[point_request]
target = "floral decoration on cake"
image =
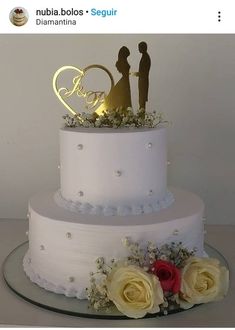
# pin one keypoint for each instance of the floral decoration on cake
(156, 279)
(117, 118)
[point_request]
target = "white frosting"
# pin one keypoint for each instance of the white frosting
(113, 168)
(113, 185)
(72, 242)
(109, 210)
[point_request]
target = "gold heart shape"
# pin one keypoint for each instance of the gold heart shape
(92, 97)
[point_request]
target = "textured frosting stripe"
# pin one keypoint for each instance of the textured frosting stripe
(86, 208)
(45, 284)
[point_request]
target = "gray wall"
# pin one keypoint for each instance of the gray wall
(192, 82)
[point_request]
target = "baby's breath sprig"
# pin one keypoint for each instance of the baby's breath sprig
(148, 254)
(70, 121)
(151, 252)
(116, 118)
(137, 254)
(97, 293)
(174, 252)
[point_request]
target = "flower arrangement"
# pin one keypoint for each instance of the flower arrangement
(156, 279)
(116, 118)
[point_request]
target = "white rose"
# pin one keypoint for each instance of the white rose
(203, 280)
(133, 291)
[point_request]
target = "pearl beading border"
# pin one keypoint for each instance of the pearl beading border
(86, 208)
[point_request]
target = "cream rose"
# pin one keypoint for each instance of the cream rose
(203, 280)
(133, 291)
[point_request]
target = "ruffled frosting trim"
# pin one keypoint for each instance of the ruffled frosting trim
(123, 210)
(70, 291)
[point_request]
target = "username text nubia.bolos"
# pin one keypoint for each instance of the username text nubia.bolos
(59, 12)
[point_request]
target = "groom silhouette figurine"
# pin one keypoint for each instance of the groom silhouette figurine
(143, 74)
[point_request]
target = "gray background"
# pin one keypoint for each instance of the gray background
(192, 81)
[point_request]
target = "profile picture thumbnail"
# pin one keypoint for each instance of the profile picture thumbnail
(19, 16)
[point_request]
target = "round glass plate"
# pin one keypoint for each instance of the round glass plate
(17, 280)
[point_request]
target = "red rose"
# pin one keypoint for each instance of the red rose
(168, 274)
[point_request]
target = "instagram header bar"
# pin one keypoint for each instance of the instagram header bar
(117, 16)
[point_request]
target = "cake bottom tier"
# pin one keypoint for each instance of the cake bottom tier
(63, 246)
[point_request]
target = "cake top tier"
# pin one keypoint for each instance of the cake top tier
(113, 171)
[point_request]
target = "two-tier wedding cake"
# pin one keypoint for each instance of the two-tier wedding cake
(113, 184)
(114, 188)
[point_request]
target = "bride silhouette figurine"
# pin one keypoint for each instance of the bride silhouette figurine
(120, 94)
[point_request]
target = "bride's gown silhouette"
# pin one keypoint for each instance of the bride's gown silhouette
(120, 94)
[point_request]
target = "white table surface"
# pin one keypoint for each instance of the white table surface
(16, 311)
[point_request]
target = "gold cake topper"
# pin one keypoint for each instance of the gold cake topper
(94, 99)
(119, 95)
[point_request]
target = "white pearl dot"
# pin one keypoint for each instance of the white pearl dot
(80, 146)
(149, 145)
(28, 215)
(168, 162)
(71, 279)
(175, 232)
(118, 173)
(58, 166)
(27, 233)
(69, 235)
(81, 193)
(42, 247)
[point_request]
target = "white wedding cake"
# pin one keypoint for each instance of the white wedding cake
(113, 185)
(115, 233)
